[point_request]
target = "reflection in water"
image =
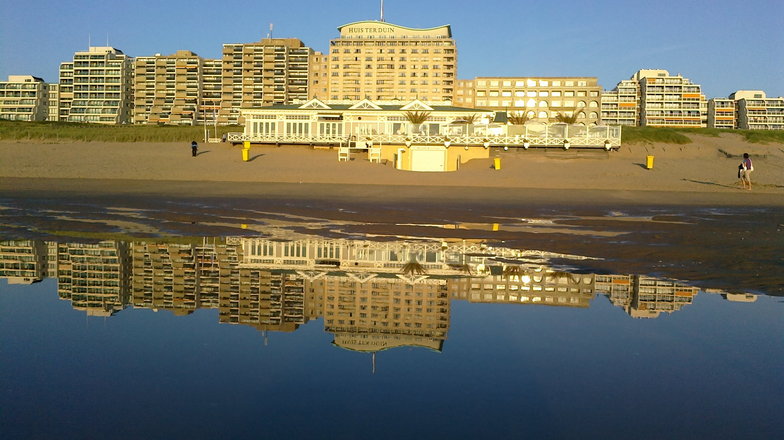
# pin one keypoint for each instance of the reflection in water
(371, 295)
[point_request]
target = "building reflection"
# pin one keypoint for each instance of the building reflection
(370, 295)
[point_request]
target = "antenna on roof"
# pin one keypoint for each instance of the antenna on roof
(382, 11)
(89, 41)
(107, 39)
(269, 34)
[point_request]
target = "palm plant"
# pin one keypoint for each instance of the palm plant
(518, 118)
(413, 267)
(566, 119)
(510, 271)
(416, 118)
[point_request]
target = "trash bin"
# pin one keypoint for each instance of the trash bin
(497, 163)
(246, 151)
(649, 162)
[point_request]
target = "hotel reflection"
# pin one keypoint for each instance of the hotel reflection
(371, 296)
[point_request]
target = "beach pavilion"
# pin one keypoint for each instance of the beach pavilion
(415, 135)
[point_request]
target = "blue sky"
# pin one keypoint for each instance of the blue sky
(722, 45)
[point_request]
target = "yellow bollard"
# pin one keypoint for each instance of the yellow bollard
(496, 226)
(649, 162)
(497, 163)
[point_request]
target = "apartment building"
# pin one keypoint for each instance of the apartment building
(721, 113)
(22, 261)
(211, 93)
(515, 285)
(164, 277)
(167, 88)
(670, 100)
(53, 109)
(537, 98)
(755, 111)
(95, 277)
(96, 87)
(318, 81)
(383, 61)
(260, 74)
(661, 100)
(24, 98)
(621, 105)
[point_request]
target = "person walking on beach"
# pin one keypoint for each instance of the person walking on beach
(194, 148)
(746, 167)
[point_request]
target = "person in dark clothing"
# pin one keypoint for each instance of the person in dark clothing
(194, 148)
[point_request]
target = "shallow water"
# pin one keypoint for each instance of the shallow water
(198, 319)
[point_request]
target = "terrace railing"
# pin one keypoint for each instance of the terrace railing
(533, 135)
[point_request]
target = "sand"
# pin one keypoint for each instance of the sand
(705, 170)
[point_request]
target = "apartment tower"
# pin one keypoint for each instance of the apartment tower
(97, 87)
(260, 74)
(167, 88)
(660, 100)
(755, 111)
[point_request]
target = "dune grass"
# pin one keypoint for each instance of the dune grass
(646, 135)
(69, 131)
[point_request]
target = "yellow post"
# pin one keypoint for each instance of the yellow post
(649, 162)
(246, 151)
(497, 163)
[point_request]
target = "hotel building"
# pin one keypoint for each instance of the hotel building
(663, 100)
(97, 87)
(260, 74)
(24, 98)
(382, 61)
(384, 312)
(539, 98)
(167, 88)
(755, 111)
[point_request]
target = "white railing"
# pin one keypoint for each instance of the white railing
(538, 135)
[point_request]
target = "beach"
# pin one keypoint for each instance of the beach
(704, 171)
(686, 218)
